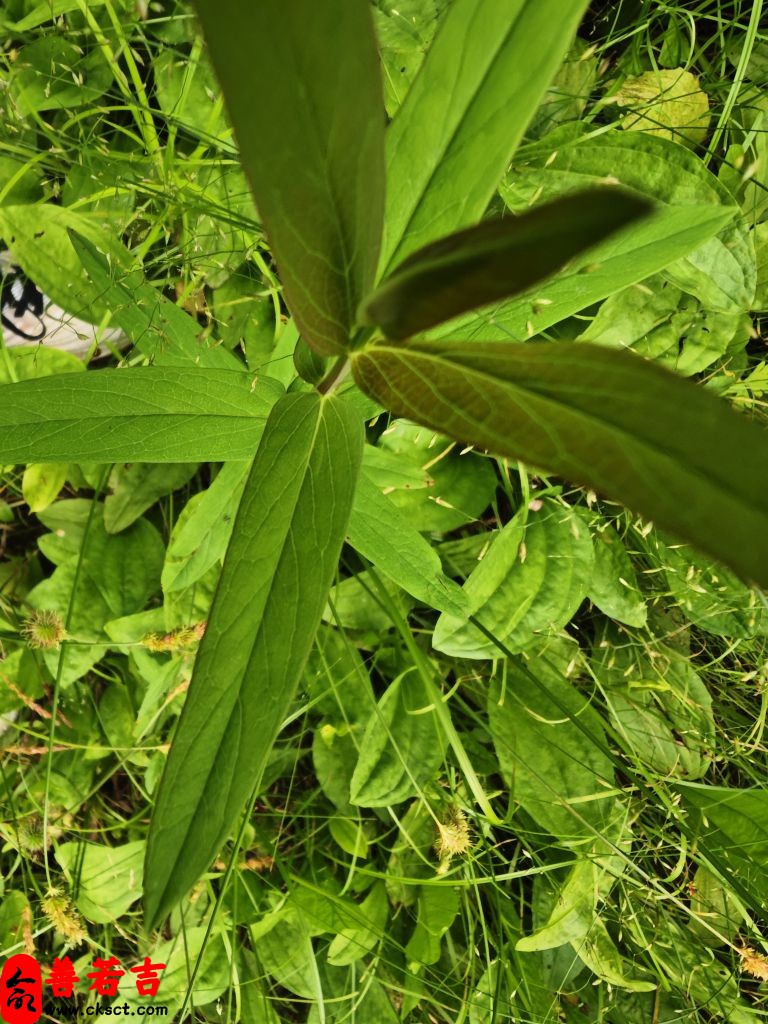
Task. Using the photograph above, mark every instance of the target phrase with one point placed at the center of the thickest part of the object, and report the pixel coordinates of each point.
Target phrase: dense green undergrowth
(536, 798)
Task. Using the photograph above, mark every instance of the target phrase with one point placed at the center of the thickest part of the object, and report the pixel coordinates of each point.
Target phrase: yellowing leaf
(668, 103)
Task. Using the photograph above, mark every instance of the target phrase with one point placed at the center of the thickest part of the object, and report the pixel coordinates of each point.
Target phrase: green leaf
(531, 580)
(353, 943)
(158, 328)
(402, 747)
(549, 744)
(613, 587)
(629, 256)
(108, 877)
(201, 533)
(112, 577)
(465, 113)
(137, 486)
(732, 833)
(661, 709)
(38, 235)
(41, 484)
(146, 414)
(664, 446)
(314, 152)
(438, 908)
(662, 323)
(383, 534)
(720, 272)
(495, 259)
(284, 551)
(668, 103)
(708, 595)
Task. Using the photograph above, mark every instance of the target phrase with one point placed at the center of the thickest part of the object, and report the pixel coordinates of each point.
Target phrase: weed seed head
(64, 918)
(44, 630)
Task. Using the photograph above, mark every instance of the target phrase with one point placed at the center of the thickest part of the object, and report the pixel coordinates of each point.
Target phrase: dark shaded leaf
(635, 432)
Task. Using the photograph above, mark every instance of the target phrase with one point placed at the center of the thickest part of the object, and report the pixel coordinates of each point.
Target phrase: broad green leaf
(732, 833)
(411, 857)
(314, 152)
(201, 533)
(158, 328)
(438, 907)
(38, 237)
(114, 576)
(717, 914)
(720, 271)
(284, 551)
(549, 744)
(691, 968)
(189, 947)
(107, 878)
(349, 835)
(147, 414)
(598, 951)
(285, 951)
(353, 943)
(41, 484)
(708, 595)
(135, 487)
(402, 747)
(659, 321)
(456, 486)
(573, 913)
(495, 259)
(405, 29)
(661, 709)
(531, 580)
(383, 535)
(635, 432)
(465, 113)
(613, 587)
(629, 256)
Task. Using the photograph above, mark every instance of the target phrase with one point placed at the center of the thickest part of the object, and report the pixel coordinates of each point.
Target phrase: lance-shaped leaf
(279, 566)
(451, 141)
(629, 256)
(158, 328)
(302, 85)
(146, 414)
(662, 445)
(495, 259)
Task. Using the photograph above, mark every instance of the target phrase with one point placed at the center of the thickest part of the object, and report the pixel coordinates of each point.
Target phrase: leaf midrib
(288, 533)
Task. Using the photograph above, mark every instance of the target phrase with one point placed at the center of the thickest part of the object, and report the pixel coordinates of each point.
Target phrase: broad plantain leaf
(720, 271)
(732, 833)
(549, 744)
(146, 414)
(495, 259)
(532, 579)
(639, 434)
(402, 747)
(284, 551)
(465, 113)
(313, 149)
